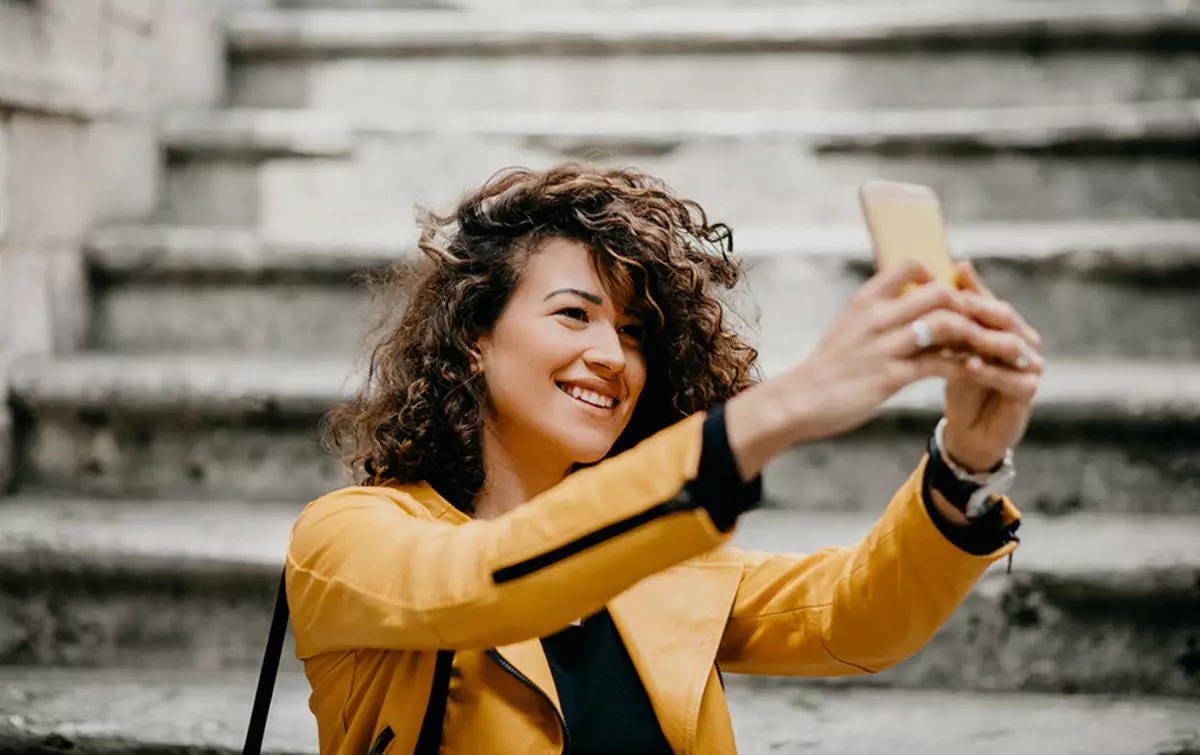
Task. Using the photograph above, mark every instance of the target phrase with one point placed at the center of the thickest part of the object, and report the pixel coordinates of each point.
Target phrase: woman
(553, 449)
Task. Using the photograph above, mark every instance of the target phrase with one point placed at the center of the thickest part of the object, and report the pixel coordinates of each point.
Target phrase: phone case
(905, 221)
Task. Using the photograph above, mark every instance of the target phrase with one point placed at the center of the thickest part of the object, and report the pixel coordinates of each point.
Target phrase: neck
(513, 474)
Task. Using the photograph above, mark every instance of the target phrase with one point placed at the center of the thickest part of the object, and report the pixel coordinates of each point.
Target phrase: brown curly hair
(419, 415)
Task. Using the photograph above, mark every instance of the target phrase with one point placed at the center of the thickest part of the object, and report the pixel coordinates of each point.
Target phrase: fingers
(967, 278)
(893, 279)
(954, 331)
(928, 298)
(927, 366)
(999, 315)
(1017, 384)
(984, 306)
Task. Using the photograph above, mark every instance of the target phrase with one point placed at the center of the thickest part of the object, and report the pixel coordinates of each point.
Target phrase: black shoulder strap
(428, 741)
(270, 669)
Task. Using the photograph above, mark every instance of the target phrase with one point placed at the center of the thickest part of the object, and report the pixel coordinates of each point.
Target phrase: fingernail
(1023, 362)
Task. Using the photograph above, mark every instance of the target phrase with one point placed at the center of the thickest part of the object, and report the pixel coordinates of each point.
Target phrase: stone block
(69, 300)
(7, 455)
(47, 168)
(73, 33)
(7, 459)
(5, 193)
(43, 305)
(127, 76)
(140, 14)
(124, 161)
(26, 320)
(214, 192)
(189, 55)
(18, 33)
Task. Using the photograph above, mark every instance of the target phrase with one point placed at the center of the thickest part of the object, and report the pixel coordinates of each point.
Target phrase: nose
(606, 354)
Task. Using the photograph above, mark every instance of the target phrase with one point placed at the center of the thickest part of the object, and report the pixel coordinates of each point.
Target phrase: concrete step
(1115, 436)
(627, 6)
(1096, 288)
(1095, 602)
(821, 26)
(106, 711)
(319, 176)
(817, 55)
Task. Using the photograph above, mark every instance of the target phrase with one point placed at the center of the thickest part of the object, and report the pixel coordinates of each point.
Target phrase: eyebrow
(576, 292)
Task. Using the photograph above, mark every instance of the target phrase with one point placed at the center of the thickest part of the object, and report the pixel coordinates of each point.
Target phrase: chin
(589, 450)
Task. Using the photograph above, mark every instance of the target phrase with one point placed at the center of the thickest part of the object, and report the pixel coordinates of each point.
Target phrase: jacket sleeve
(857, 609)
(364, 572)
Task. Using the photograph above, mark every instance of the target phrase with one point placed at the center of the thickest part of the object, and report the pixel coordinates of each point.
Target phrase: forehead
(558, 261)
(564, 263)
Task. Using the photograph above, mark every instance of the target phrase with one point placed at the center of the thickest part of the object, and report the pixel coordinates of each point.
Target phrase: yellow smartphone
(905, 221)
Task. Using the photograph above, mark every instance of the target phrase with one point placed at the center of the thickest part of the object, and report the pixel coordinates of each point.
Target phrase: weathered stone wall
(81, 84)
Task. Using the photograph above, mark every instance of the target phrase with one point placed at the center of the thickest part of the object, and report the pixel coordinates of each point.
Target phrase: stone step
(92, 712)
(1094, 603)
(1115, 436)
(320, 176)
(820, 55)
(1097, 288)
(627, 6)
(820, 26)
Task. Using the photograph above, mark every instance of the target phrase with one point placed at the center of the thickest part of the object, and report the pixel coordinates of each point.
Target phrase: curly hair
(419, 415)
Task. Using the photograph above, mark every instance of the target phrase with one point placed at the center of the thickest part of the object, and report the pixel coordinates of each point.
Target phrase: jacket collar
(672, 624)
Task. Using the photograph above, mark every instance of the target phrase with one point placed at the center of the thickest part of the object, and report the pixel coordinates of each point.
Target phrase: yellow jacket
(380, 578)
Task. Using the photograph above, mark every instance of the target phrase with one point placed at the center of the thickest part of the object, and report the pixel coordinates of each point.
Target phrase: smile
(584, 396)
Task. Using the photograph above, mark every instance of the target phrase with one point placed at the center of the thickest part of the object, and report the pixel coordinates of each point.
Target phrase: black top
(605, 705)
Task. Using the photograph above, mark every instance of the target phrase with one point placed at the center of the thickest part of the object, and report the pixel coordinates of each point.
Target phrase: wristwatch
(981, 492)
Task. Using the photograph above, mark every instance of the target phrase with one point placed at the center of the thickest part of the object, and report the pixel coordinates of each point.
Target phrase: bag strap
(428, 741)
(270, 669)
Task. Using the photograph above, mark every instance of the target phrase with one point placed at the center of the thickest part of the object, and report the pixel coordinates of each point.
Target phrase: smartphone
(905, 221)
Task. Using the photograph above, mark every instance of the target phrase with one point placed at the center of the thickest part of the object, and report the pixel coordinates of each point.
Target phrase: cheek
(635, 373)
(525, 359)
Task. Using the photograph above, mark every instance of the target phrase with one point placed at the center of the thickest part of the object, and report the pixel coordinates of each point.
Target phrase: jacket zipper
(681, 502)
(504, 664)
(1010, 536)
(382, 741)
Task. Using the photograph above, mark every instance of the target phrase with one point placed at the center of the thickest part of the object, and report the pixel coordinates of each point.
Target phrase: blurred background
(189, 188)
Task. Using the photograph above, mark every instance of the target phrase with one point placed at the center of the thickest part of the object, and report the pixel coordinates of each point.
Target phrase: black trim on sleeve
(718, 488)
(983, 535)
(681, 502)
(718, 485)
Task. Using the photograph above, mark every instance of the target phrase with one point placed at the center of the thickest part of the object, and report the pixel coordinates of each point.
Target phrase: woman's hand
(874, 350)
(987, 408)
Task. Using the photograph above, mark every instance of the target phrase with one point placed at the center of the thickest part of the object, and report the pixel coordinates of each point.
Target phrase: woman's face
(564, 364)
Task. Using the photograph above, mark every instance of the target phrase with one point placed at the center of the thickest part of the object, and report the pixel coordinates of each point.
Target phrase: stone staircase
(159, 470)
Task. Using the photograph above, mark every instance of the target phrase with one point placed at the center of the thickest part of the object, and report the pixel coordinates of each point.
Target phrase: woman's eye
(633, 331)
(575, 313)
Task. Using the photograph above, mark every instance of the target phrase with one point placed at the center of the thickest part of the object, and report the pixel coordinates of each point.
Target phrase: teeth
(590, 397)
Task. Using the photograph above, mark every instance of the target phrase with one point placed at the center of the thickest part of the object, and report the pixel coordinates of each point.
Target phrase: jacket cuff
(983, 535)
(718, 485)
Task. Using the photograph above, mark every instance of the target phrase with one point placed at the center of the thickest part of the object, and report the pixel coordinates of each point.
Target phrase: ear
(476, 355)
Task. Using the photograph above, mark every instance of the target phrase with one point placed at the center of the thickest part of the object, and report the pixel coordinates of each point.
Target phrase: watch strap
(963, 490)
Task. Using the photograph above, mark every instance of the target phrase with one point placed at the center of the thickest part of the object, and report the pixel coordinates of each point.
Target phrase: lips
(590, 397)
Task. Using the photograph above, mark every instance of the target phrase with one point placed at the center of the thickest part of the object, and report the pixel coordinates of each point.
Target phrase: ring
(924, 334)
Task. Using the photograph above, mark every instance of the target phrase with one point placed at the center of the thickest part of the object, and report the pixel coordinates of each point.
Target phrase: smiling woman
(556, 440)
(601, 282)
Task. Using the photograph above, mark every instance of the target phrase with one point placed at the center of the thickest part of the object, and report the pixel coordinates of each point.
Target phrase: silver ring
(924, 334)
